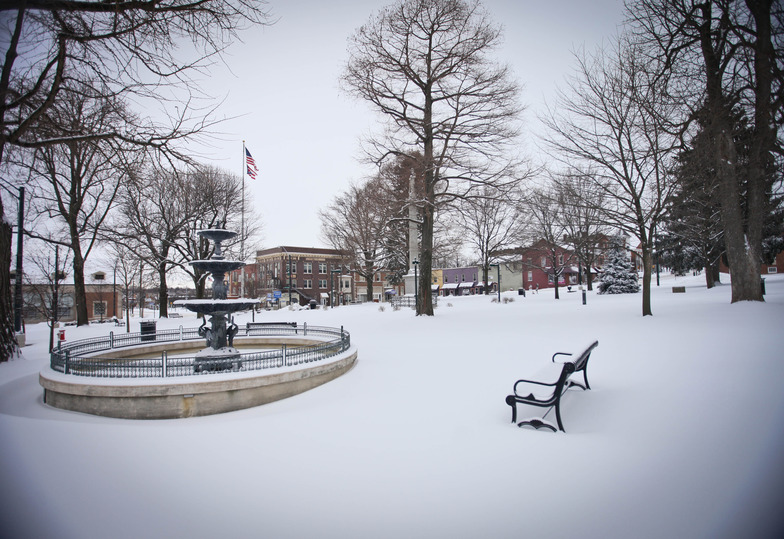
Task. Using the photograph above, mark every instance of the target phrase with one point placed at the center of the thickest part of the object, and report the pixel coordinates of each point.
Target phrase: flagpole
(242, 225)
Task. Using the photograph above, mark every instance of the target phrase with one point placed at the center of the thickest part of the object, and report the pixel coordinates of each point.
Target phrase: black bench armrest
(561, 354)
(531, 382)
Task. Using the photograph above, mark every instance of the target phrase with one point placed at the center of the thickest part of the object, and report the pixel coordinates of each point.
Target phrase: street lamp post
(18, 280)
(332, 287)
(416, 283)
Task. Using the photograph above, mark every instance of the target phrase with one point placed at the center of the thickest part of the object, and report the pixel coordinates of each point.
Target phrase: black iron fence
(81, 357)
(409, 301)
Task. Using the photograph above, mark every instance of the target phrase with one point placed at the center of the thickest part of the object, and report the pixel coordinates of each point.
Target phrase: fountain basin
(216, 234)
(189, 396)
(217, 306)
(213, 265)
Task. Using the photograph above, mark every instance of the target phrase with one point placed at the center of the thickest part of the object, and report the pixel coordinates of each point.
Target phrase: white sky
(282, 85)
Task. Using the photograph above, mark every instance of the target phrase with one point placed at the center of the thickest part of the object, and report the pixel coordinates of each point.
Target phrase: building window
(530, 275)
(322, 267)
(323, 284)
(377, 277)
(308, 283)
(99, 308)
(544, 261)
(307, 267)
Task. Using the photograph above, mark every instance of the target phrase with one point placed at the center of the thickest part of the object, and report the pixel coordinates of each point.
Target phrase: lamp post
(289, 266)
(416, 283)
(332, 287)
(18, 280)
(498, 284)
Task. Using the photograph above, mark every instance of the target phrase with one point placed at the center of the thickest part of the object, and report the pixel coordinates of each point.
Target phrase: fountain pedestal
(220, 353)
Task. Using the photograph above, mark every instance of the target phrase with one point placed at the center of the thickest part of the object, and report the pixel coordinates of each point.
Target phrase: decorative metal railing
(79, 357)
(409, 301)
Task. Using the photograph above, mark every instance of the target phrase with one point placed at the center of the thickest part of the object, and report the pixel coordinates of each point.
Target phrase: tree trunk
(425, 300)
(369, 287)
(163, 292)
(80, 291)
(709, 276)
(647, 271)
(8, 346)
(743, 257)
(743, 250)
(127, 307)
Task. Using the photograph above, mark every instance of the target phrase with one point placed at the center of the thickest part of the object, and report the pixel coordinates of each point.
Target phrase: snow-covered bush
(619, 275)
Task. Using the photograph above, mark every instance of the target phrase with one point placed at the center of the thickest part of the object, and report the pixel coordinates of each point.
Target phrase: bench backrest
(580, 362)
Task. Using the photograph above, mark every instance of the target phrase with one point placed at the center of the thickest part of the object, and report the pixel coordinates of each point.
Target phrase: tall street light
(416, 283)
(332, 287)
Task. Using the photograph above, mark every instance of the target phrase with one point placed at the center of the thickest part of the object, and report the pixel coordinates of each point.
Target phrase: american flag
(251, 163)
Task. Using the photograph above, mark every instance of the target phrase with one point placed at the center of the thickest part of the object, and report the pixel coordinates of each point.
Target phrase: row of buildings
(302, 275)
(305, 275)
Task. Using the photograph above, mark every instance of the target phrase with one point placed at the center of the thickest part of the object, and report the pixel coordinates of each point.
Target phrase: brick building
(304, 273)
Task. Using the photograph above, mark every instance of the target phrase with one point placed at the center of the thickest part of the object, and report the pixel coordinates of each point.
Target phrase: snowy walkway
(681, 436)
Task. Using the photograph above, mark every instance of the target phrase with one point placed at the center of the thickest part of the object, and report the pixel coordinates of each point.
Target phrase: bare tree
(491, 224)
(75, 183)
(123, 48)
(580, 204)
(425, 67)
(546, 229)
(155, 209)
(728, 53)
(355, 223)
(215, 198)
(614, 120)
(127, 266)
(44, 296)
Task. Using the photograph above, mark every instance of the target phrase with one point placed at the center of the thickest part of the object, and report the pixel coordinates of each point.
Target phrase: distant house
(765, 269)
(460, 281)
(302, 273)
(542, 270)
(104, 300)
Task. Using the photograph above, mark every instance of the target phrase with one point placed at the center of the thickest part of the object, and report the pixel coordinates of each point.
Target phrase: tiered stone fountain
(220, 353)
(78, 381)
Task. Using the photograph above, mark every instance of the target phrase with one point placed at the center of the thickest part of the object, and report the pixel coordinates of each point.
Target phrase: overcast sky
(282, 85)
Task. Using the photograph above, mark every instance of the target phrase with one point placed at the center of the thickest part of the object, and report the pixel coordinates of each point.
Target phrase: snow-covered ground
(681, 436)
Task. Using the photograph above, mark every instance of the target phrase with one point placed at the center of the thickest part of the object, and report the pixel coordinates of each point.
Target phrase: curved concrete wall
(211, 394)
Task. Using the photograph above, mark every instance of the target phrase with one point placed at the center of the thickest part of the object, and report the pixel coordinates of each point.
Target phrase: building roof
(288, 249)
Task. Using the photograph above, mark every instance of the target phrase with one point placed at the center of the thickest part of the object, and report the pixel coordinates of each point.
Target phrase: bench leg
(510, 400)
(558, 415)
(537, 424)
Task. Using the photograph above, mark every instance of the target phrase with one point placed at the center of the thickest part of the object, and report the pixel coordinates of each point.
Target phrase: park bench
(548, 395)
(254, 325)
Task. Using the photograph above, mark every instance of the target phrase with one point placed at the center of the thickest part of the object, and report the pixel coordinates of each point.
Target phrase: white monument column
(413, 236)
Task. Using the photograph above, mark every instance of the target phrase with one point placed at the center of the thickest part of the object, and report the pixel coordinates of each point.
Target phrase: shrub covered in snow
(619, 276)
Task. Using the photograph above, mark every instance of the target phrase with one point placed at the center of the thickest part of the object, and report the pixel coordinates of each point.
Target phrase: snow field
(680, 436)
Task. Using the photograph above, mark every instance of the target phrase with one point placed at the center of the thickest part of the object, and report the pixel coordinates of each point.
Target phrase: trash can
(147, 328)
(313, 304)
(521, 292)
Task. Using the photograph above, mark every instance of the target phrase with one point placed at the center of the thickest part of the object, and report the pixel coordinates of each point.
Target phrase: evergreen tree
(619, 276)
